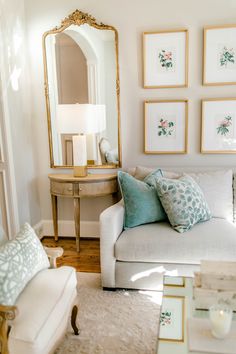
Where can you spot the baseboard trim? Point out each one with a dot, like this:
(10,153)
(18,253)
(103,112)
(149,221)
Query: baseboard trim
(66,228)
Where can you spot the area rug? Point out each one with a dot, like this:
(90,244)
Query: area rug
(113,322)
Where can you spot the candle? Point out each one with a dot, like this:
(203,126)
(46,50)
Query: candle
(220,318)
(79,150)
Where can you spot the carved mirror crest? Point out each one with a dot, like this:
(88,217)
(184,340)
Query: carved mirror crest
(81,66)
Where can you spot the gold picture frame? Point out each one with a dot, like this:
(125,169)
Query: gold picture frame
(219,55)
(171,112)
(218,132)
(162,73)
(172,309)
(174,281)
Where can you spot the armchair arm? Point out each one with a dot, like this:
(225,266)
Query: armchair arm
(111,226)
(7,313)
(53,253)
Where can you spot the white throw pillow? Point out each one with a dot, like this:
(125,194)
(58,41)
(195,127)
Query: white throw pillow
(218,191)
(142,172)
(20,260)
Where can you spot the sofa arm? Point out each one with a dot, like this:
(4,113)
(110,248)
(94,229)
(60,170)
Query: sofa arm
(53,253)
(111,226)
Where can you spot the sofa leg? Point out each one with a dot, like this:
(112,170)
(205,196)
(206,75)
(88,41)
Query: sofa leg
(108,289)
(73,320)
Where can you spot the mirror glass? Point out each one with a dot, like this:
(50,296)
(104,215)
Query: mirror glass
(81,66)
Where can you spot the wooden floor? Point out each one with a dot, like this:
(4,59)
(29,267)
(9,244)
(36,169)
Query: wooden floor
(87,260)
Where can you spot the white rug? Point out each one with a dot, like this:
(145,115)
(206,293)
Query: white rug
(113,322)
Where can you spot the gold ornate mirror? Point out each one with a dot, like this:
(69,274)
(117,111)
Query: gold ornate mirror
(81,66)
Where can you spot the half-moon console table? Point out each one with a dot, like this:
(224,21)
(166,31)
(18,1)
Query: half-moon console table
(66,185)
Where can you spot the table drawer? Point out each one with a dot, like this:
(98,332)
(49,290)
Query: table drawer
(62,188)
(97,189)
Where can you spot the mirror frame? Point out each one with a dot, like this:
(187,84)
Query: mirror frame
(79,18)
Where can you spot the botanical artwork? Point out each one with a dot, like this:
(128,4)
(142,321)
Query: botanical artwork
(219,126)
(165,318)
(223,128)
(227,57)
(166,58)
(219,66)
(166,127)
(171,318)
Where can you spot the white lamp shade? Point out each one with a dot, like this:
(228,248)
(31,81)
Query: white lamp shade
(81,118)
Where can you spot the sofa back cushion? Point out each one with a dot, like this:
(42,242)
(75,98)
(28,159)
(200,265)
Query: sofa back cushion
(141,172)
(217,187)
(141,201)
(20,260)
(183,201)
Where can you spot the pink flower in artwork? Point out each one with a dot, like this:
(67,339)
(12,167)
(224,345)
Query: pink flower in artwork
(168,55)
(164,124)
(225,123)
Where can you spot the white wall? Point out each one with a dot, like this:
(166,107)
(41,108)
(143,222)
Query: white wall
(17,107)
(131,18)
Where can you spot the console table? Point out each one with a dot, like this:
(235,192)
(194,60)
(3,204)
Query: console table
(66,185)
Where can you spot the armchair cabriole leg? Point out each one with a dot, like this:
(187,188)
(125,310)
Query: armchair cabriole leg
(73,320)
(7,313)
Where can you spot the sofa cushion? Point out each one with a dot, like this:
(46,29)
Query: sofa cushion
(183,201)
(218,191)
(42,306)
(212,240)
(141,202)
(141,172)
(20,260)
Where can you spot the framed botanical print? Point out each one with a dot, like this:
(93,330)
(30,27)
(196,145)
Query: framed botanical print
(166,127)
(219,67)
(165,59)
(172,319)
(218,126)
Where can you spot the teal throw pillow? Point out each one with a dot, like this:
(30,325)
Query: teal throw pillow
(141,201)
(20,260)
(183,201)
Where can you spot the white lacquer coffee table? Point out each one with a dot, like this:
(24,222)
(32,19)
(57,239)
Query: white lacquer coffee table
(175,335)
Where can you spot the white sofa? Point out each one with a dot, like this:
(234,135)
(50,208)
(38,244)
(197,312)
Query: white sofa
(138,257)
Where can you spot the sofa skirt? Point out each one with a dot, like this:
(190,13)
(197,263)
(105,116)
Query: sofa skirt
(149,276)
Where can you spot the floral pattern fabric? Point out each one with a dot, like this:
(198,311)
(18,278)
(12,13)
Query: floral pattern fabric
(20,260)
(183,202)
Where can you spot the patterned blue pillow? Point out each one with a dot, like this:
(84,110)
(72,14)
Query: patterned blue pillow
(20,260)
(141,201)
(183,201)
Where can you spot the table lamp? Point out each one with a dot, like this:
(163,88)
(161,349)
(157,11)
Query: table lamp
(79,120)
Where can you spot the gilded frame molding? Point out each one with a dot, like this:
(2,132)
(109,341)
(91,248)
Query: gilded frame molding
(79,18)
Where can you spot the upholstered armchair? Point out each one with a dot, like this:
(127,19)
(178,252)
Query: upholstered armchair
(39,317)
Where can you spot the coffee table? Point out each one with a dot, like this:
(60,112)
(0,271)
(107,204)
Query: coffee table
(177,308)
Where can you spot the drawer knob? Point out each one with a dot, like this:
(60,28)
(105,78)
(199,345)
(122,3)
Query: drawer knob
(69,189)
(80,189)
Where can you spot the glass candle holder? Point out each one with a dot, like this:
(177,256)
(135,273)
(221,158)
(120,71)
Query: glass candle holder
(220,318)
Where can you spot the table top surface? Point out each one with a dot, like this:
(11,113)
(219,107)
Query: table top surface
(179,300)
(89,178)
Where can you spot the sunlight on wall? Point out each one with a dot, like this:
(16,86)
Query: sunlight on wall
(14,78)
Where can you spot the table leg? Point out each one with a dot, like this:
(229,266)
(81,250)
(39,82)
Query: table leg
(77,221)
(54,216)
